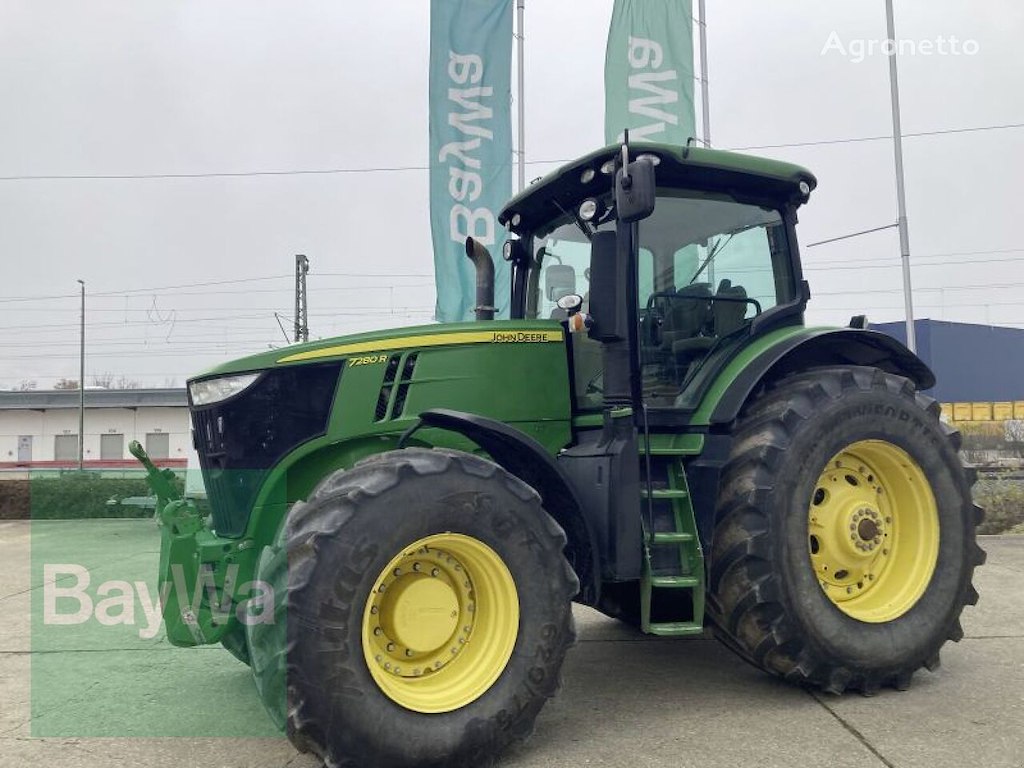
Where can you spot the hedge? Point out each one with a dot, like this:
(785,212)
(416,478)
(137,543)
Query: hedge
(71,496)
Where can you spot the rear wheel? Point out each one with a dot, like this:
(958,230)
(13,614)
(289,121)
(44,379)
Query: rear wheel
(845,539)
(427,613)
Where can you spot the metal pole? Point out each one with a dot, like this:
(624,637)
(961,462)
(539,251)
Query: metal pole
(901,199)
(81,385)
(301,299)
(520,48)
(705,101)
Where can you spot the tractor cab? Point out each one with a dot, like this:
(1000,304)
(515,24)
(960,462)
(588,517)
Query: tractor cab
(714,262)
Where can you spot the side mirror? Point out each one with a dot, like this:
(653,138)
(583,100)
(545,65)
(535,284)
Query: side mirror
(635,193)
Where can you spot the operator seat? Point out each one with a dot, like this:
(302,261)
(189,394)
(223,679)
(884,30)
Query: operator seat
(729,312)
(688,324)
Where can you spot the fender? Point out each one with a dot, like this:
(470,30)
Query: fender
(815,348)
(528,460)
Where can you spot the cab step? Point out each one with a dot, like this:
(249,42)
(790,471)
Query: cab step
(675,629)
(664,493)
(674,582)
(671,537)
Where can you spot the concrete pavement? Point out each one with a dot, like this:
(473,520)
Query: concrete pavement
(628,700)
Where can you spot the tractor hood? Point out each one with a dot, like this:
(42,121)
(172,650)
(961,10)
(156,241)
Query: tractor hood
(375,342)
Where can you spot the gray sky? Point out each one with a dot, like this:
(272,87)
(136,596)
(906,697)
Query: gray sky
(113,88)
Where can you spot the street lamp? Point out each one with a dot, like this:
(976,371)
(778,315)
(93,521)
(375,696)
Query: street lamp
(901,197)
(81,384)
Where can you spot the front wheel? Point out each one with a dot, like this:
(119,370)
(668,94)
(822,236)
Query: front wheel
(428,612)
(845,539)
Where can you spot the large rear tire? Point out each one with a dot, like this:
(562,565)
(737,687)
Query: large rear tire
(845,540)
(427,613)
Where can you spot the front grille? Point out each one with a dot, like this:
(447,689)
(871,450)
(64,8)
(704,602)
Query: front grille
(240,439)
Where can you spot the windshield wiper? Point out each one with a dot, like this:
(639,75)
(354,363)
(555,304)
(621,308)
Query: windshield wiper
(715,249)
(580,223)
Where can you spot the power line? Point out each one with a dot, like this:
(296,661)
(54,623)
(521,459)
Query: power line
(852,234)
(928,256)
(858,139)
(863,265)
(979,287)
(129,291)
(408,168)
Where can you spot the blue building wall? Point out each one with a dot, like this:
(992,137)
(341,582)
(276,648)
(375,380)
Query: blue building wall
(971,362)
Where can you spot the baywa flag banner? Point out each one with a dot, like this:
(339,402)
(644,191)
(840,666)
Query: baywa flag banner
(648,72)
(470,145)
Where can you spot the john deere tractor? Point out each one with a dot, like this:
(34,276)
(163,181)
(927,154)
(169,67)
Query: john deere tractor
(398,522)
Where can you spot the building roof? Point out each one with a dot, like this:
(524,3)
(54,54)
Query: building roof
(46,399)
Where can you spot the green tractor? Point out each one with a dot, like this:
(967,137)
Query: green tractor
(397,523)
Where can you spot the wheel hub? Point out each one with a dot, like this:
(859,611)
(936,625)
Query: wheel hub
(421,614)
(854,531)
(441,622)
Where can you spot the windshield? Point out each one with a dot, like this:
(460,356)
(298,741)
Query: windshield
(707,266)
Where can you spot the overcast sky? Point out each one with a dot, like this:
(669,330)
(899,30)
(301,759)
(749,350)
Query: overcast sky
(198,87)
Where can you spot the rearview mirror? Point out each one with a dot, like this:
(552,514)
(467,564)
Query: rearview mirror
(635,191)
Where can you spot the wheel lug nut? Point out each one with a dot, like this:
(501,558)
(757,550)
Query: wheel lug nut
(434,571)
(415,566)
(408,652)
(378,631)
(390,647)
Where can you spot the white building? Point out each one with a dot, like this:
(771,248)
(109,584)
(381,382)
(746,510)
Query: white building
(40,429)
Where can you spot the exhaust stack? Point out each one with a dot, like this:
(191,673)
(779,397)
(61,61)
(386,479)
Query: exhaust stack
(481,258)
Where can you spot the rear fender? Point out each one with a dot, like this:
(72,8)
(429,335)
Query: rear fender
(812,349)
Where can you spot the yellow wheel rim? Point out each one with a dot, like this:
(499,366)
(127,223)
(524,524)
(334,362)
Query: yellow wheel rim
(440,624)
(873,531)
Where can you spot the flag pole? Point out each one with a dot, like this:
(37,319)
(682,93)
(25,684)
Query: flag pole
(520,48)
(705,101)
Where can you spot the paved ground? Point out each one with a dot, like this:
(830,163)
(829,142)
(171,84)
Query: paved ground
(628,700)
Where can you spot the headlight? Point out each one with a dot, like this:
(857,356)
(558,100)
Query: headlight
(210,391)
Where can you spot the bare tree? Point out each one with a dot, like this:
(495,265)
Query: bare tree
(25,385)
(105,380)
(123,382)
(1015,436)
(66,384)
